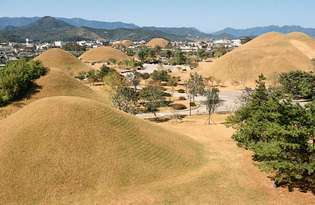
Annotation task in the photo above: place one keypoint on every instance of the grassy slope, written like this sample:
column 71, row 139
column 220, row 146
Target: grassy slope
column 58, row 58
column 161, row 42
column 269, row 54
column 103, row 54
column 57, row 149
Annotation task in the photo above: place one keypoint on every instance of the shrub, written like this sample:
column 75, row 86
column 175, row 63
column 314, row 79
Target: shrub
column 178, row 106
column 161, row 75
column 145, row 76
column 165, row 94
column 298, row 83
column 181, row 91
column 193, row 104
column 182, row 98
column 16, row 79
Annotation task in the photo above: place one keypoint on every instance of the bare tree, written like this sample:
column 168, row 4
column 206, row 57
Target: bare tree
column 195, row 86
column 212, row 102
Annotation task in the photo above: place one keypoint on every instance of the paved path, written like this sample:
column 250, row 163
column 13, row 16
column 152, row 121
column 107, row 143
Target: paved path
column 230, row 103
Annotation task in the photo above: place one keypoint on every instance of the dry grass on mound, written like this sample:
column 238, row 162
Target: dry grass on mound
column 103, row 54
column 55, row 83
column 269, row 54
column 58, row 58
column 58, row 83
column 67, row 149
column 158, row 42
column 125, row 43
column 304, row 43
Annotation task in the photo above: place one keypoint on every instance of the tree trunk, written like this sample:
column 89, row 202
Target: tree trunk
column 209, row 121
column 190, row 106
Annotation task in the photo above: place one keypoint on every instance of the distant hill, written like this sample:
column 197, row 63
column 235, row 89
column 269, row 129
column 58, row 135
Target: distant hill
column 187, row 32
column 134, row 34
column 47, row 29
column 17, row 29
column 256, row 31
column 77, row 22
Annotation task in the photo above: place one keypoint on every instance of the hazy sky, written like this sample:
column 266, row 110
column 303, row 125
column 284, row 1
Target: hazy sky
column 207, row 15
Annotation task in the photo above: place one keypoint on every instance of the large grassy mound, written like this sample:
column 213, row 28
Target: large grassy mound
column 103, row 54
column 304, row 43
column 270, row 54
column 67, row 150
column 59, row 83
column 58, row 58
column 158, row 42
column 125, row 43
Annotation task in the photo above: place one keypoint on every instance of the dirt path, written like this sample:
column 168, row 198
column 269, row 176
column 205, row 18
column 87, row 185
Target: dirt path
column 228, row 177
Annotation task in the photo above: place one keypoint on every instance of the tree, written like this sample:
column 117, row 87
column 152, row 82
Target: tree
column 143, row 54
column 280, row 133
column 179, row 58
column 212, row 101
column 195, row 86
column 201, row 54
column 130, row 52
column 160, row 75
column 299, row 84
column 173, row 83
column 134, row 79
column 115, row 81
column 126, row 99
column 152, row 97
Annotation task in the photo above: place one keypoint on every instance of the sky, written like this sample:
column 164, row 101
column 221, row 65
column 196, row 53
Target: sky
column 206, row 15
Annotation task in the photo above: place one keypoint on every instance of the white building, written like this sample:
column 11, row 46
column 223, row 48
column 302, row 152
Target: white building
column 58, row 44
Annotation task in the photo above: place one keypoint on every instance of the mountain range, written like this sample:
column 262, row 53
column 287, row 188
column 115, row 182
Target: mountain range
column 256, row 31
column 70, row 29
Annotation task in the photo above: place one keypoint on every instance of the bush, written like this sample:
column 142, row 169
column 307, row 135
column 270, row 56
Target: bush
column 178, row 106
column 193, row 104
column 298, row 83
column 145, row 76
column 16, row 79
column 181, row 91
column 182, row 98
column 95, row 75
column 165, row 94
column 161, row 75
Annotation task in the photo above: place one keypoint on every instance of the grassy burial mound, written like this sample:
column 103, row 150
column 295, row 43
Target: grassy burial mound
column 71, row 150
column 304, row 43
column 58, row 83
column 158, row 42
column 270, row 54
column 58, row 58
column 125, row 43
column 103, row 54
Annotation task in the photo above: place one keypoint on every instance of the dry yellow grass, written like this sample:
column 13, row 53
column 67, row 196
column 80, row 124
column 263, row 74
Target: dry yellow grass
column 125, row 43
column 58, row 58
column 103, row 54
column 55, row 83
column 304, row 43
column 66, row 150
column 270, row 54
column 228, row 177
column 155, row 42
